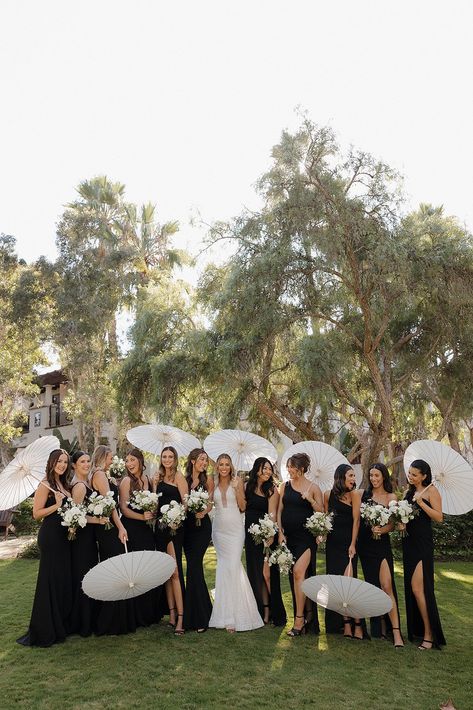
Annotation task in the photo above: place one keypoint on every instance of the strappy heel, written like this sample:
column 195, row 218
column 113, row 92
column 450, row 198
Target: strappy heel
column 398, row 645
column 297, row 632
column 357, row 638
column 173, row 626
column 426, row 648
column 350, row 635
column 179, row 632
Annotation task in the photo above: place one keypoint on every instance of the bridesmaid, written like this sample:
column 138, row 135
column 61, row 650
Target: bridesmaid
column 262, row 497
column 299, row 498
column 198, row 607
column 423, row 620
column 84, row 553
column 116, row 617
column 376, row 556
column 172, row 485
column 140, row 534
column 53, row 597
column 344, row 501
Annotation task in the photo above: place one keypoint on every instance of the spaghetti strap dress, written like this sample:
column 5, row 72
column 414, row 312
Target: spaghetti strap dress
column 198, row 607
column 118, row 617
column 372, row 553
column 256, row 508
column 295, row 512
column 53, row 596
column 418, row 546
column 84, row 556
column 163, row 536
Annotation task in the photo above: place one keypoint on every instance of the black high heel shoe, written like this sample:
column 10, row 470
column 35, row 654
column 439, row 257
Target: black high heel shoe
column 173, row 626
column 398, row 645
column 179, row 632
column 350, row 635
column 426, row 648
column 297, row 632
column 357, row 638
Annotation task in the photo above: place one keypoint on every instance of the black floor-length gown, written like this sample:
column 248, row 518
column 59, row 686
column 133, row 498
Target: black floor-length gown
column 372, row 553
column 140, row 537
column 163, row 536
column 117, row 617
column 84, row 556
column 417, row 547
column 256, row 508
column 198, row 607
column 53, row 597
column 338, row 542
column 295, row 512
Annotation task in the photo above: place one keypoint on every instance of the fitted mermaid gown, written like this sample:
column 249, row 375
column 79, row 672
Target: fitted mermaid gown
column 418, row 546
column 53, row 596
column 198, row 607
column 235, row 605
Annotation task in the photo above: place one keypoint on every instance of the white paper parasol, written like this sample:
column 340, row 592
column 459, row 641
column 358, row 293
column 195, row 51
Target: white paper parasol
column 347, row 596
column 128, row 575
column 242, row 446
column 451, row 474
column 324, row 459
column 153, row 438
column 23, row 474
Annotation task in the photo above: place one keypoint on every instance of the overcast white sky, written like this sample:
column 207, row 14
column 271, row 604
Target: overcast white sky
column 182, row 100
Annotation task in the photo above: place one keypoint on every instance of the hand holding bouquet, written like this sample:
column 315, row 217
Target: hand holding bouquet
column 102, row 506
column 263, row 531
column 282, row 557
column 319, row 524
column 197, row 501
column 145, row 502
column 375, row 515
column 74, row 515
column 172, row 516
column 401, row 512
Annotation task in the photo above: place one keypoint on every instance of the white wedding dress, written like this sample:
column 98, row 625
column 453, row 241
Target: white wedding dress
column 235, row 604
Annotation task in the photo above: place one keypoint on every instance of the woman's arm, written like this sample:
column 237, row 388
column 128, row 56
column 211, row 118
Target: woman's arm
column 181, row 485
column 99, row 482
column 237, row 484
column 125, row 499
column 273, row 505
column 281, row 536
column 315, row 498
column 39, row 502
column 326, row 499
column 435, row 500
column 355, row 511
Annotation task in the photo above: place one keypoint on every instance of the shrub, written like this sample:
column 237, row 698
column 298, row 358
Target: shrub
column 30, row 551
column 23, row 520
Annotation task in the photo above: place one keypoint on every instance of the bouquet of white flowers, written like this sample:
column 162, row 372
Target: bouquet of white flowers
column 102, row 506
column 282, row 557
column 263, row 531
column 145, row 501
column 117, row 468
column 172, row 516
column 401, row 511
column 319, row 524
column 74, row 515
column 197, row 501
column 375, row 514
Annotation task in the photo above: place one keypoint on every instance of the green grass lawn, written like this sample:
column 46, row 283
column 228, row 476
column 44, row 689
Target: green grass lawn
column 258, row 669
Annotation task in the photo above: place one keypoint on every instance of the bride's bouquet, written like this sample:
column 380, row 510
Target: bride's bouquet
column 172, row 516
column 102, row 506
column 375, row 515
column 197, row 501
column 74, row 515
column 401, row 511
column 282, row 557
column 319, row 524
column 263, row 531
column 144, row 502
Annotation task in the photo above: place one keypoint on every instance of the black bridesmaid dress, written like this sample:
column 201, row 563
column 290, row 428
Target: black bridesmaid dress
column 338, row 542
column 140, row 537
column 84, row 556
column 372, row 553
column 418, row 546
column 295, row 512
column 53, row 597
column 256, row 508
column 118, row 617
column 164, row 537
column 198, row 607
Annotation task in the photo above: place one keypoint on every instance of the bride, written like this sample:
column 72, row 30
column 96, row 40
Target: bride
column 235, row 605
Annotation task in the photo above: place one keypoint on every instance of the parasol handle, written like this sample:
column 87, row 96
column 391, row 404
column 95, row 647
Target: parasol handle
column 126, row 547
column 350, row 569
column 427, row 487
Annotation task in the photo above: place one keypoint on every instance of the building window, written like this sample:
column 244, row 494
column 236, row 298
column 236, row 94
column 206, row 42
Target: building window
column 37, row 419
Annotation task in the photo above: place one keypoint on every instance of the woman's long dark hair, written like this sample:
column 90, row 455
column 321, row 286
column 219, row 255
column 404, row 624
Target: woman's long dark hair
column 191, row 459
column 162, row 470
column 424, row 468
column 268, row 486
column 339, row 489
column 54, row 457
column 388, row 486
column 134, row 484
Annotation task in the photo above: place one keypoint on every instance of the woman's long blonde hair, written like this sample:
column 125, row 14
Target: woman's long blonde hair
column 232, row 467
column 98, row 459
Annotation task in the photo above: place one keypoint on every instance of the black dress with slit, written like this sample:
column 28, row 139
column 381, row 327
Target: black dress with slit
column 117, row 617
column 295, row 512
column 84, row 556
column 163, row 537
column 336, row 547
column 198, row 607
column 418, row 546
column 372, row 553
column 256, row 508
column 53, row 596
